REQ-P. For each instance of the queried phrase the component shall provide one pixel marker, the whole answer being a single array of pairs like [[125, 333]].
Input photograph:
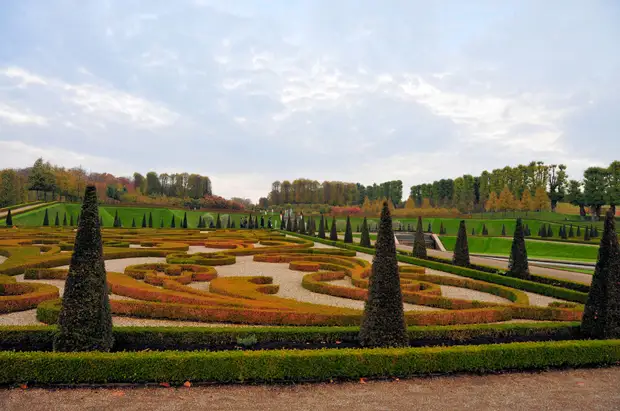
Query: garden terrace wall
[[178, 367]]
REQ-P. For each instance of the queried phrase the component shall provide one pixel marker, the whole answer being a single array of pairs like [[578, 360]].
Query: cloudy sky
[[248, 92]]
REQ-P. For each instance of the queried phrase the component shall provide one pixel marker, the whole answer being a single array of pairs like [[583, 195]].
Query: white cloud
[[12, 115]]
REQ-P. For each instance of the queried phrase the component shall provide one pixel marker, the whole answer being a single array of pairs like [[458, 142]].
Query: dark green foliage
[[144, 220], [542, 232], [71, 220], [46, 219], [100, 221], [57, 220], [595, 233], [218, 221], [150, 220], [311, 229], [256, 222], [161, 223], [442, 229], [383, 323], [485, 231], [578, 234], [117, 222], [419, 247], [359, 230], [184, 223], [473, 231], [9, 218], [289, 224], [302, 226], [133, 223], [518, 265], [430, 228], [322, 227], [365, 239], [549, 231], [348, 232], [78, 219], [295, 225], [564, 233], [64, 220], [571, 233], [601, 317], [232, 225], [333, 234], [503, 230], [211, 225], [461, 249], [251, 222], [199, 225], [282, 223], [527, 231], [229, 221], [85, 319], [586, 234], [173, 223]]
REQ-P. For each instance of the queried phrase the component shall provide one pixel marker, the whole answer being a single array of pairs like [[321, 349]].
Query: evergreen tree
[[461, 248], [348, 232], [295, 225], [184, 224], [71, 220], [473, 231], [133, 222], [311, 228], [527, 230], [549, 231], [251, 222], [586, 235], [541, 232], [419, 246], [503, 230], [571, 233], [116, 223], [289, 224], [161, 224], [302, 226], [282, 223], [218, 221], [46, 219], [100, 221], [173, 223], [518, 265], [442, 229], [333, 234], [64, 219], [256, 222], [57, 220], [578, 233], [601, 316], [484, 229], [430, 228], [365, 239], [211, 225], [358, 229], [262, 221], [383, 324], [322, 227], [232, 224], [85, 319], [150, 219], [144, 220], [228, 221], [78, 219], [564, 233], [9, 219]]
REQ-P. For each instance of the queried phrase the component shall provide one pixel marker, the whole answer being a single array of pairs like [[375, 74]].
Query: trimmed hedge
[[39, 338], [297, 365], [531, 286]]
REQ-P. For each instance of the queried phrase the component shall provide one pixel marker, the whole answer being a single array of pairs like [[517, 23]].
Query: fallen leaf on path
[[118, 393], [187, 384], [165, 384]]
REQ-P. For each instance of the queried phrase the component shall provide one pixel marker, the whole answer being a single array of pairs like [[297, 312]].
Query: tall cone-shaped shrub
[[64, 219], [9, 219], [85, 319], [322, 227], [282, 223], [173, 223], [150, 219], [289, 224], [503, 230], [518, 265], [46, 219], [144, 220], [100, 221], [161, 223], [116, 223], [256, 222], [295, 227], [601, 316], [365, 239], [383, 324], [133, 222], [461, 248], [228, 221], [71, 220], [57, 220], [419, 247], [302, 226], [218, 221], [348, 232], [310, 230], [333, 234], [184, 223]]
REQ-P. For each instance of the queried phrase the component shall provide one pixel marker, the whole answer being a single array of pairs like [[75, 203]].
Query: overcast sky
[[248, 92]]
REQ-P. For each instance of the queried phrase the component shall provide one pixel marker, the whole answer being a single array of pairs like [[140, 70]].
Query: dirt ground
[[587, 389]]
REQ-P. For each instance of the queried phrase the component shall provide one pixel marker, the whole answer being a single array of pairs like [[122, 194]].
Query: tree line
[[334, 193]]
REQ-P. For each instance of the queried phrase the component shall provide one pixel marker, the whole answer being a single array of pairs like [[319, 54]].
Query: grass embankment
[[500, 246]]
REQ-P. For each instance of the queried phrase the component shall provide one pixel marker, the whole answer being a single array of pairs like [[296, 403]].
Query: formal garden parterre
[[226, 277]]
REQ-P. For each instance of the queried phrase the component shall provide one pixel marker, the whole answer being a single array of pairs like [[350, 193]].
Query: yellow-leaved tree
[[491, 204], [506, 200], [541, 201], [526, 201]]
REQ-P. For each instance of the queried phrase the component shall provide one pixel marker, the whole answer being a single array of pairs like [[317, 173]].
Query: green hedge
[[38, 338], [177, 367], [531, 286]]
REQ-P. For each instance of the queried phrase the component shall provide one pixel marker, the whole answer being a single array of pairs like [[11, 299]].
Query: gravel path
[[567, 390], [2, 259], [19, 210]]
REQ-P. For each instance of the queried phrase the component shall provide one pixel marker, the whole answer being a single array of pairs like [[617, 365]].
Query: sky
[[249, 92]]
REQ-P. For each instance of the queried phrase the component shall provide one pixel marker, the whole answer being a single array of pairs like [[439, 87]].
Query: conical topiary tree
[[85, 319], [133, 222], [578, 234], [232, 224], [173, 223], [571, 232], [333, 234], [256, 222], [461, 248], [184, 223], [46, 219], [310, 230], [365, 239], [503, 230], [473, 231], [348, 232], [64, 220], [302, 226], [441, 228], [228, 221], [117, 222], [295, 225], [322, 227], [518, 265], [430, 228], [549, 231], [9, 219], [144, 220], [57, 220], [586, 234], [601, 316], [161, 223], [150, 219], [218, 221], [78, 219], [419, 246], [383, 324], [282, 223], [484, 229], [289, 224], [71, 220]]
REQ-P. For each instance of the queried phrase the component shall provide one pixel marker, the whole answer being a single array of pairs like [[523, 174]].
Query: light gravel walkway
[[567, 390], [2, 259]]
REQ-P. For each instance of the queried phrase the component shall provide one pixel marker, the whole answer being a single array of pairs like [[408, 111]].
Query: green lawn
[[126, 214], [541, 249]]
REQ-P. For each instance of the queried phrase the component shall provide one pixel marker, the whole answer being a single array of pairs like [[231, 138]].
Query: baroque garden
[[302, 298]]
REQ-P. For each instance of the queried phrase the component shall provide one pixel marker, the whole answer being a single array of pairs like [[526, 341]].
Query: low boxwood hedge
[[177, 367], [38, 338]]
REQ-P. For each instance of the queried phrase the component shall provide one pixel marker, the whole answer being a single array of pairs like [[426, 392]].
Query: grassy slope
[[542, 249], [126, 214]]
